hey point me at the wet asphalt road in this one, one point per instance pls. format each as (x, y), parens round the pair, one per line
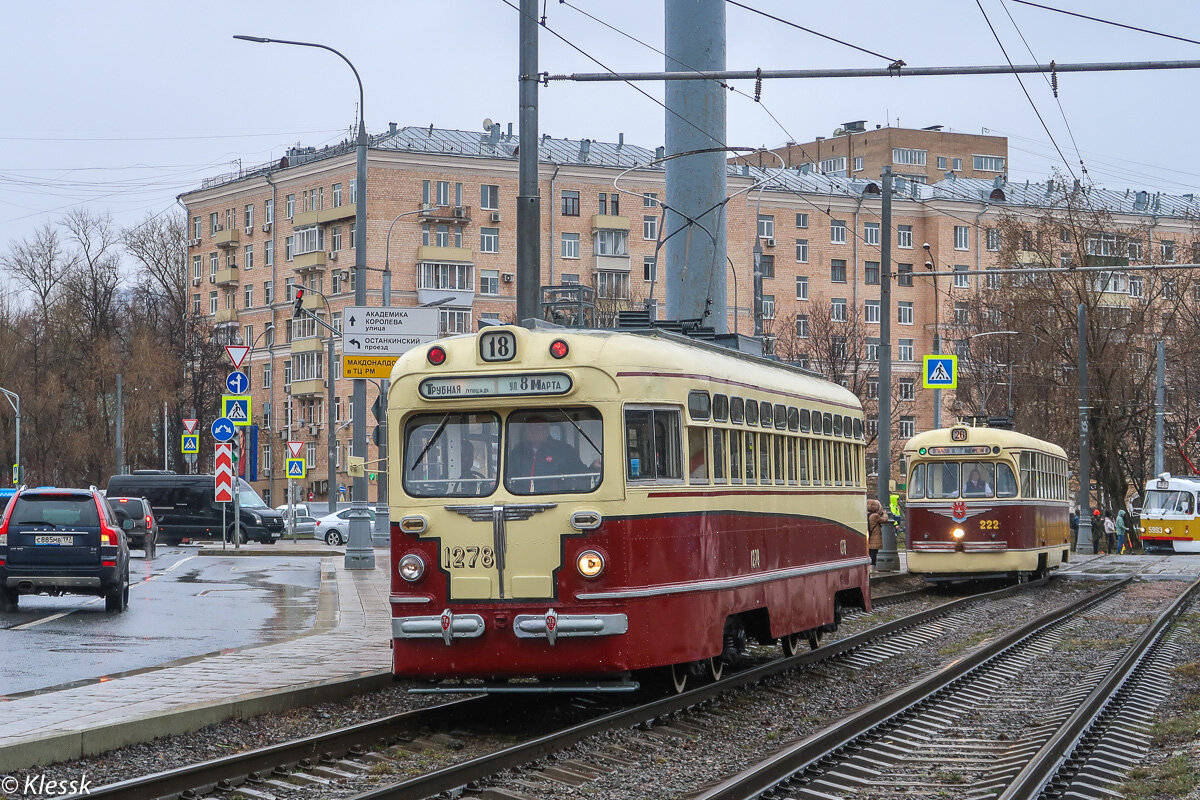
(180, 605)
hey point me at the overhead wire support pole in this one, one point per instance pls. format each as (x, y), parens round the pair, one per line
(529, 201)
(886, 560)
(874, 72)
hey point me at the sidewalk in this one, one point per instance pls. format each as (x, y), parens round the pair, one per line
(347, 652)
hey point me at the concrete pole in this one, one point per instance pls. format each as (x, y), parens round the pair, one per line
(381, 535)
(886, 559)
(529, 201)
(758, 289)
(166, 454)
(1160, 409)
(331, 425)
(120, 428)
(695, 185)
(1084, 540)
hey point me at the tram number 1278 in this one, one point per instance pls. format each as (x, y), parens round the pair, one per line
(468, 557)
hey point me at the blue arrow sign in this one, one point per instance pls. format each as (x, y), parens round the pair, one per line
(237, 382)
(222, 429)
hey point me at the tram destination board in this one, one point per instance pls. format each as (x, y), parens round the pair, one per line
(454, 386)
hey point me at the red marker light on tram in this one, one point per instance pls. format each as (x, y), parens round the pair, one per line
(559, 348)
(436, 355)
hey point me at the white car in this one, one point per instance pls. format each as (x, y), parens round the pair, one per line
(335, 528)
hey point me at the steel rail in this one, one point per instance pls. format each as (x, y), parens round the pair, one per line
(1030, 781)
(783, 765)
(452, 778)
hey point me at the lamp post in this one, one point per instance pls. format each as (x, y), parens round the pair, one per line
(359, 552)
(14, 400)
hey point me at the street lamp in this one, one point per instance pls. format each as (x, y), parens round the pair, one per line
(359, 552)
(14, 400)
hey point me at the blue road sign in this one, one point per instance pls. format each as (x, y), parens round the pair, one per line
(222, 429)
(296, 468)
(237, 382)
(941, 372)
(236, 408)
(190, 443)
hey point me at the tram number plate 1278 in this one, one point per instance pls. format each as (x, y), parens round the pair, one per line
(468, 557)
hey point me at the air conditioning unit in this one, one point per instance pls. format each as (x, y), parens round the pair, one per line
(460, 212)
(509, 277)
(769, 242)
(195, 281)
(332, 255)
(249, 229)
(266, 227)
(266, 472)
(496, 216)
(427, 207)
(313, 430)
(193, 243)
(283, 434)
(219, 228)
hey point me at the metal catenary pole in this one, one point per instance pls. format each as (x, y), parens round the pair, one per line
(330, 425)
(120, 429)
(1160, 409)
(1084, 540)
(529, 202)
(886, 559)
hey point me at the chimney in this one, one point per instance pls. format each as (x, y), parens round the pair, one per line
(660, 151)
(510, 130)
(392, 128)
(620, 140)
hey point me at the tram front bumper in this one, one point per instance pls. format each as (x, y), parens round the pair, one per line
(449, 626)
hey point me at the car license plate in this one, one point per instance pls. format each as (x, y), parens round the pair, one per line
(55, 540)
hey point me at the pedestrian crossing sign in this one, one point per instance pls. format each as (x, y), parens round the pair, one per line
(189, 443)
(941, 372)
(296, 468)
(236, 408)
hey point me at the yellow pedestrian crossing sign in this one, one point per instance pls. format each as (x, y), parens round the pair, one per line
(236, 408)
(941, 372)
(296, 468)
(189, 443)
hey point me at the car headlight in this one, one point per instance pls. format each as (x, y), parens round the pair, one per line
(411, 567)
(590, 564)
(257, 519)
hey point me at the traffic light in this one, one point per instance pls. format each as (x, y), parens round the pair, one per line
(297, 306)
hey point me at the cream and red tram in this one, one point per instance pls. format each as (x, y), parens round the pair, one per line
(985, 502)
(571, 504)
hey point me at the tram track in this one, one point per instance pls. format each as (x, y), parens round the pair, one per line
(347, 753)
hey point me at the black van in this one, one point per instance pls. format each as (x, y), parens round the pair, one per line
(186, 509)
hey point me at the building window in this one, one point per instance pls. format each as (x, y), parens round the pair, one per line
(858, 163)
(837, 231)
(570, 279)
(768, 306)
(908, 427)
(650, 199)
(455, 277)
(956, 164)
(988, 163)
(837, 309)
(1136, 286)
(802, 251)
(904, 237)
(871, 273)
(489, 240)
(961, 279)
(248, 293)
(268, 211)
(766, 226)
(650, 228)
(489, 196)
(1168, 252)
(905, 351)
(489, 281)
(612, 285)
(904, 274)
(307, 240)
(248, 338)
(269, 253)
(197, 266)
(802, 326)
(908, 389)
(248, 215)
(248, 257)
(266, 384)
(289, 206)
(287, 248)
(268, 292)
(570, 245)
(1133, 250)
(453, 320)
(570, 203)
(649, 268)
(831, 166)
(871, 232)
(608, 242)
(871, 311)
(802, 220)
(961, 313)
(214, 262)
(993, 278)
(336, 282)
(443, 193)
(214, 223)
(212, 302)
(310, 457)
(837, 270)
(872, 353)
(873, 385)
(801, 287)
(992, 238)
(766, 265)
(904, 313)
(941, 162)
(197, 228)
(962, 237)
(609, 205)
(908, 156)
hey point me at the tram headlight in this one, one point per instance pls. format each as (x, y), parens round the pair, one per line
(411, 567)
(1168, 531)
(590, 564)
(958, 533)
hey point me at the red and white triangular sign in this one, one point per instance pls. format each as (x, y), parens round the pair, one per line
(189, 425)
(294, 448)
(237, 354)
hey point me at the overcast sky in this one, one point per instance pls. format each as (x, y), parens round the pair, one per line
(122, 105)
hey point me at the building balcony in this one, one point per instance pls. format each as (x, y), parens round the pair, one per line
(311, 344)
(453, 215)
(226, 238)
(226, 276)
(462, 298)
(312, 301)
(434, 253)
(311, 388)
(304, 218)
(309, 261)
(324, 215)
(612, 263)
(610, 222)
(225, 316)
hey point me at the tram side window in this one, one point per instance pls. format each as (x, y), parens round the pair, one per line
(828, 420)
(943, 480)
(1006, 482)
(849, 461)
(978, 479)
(735, 456)
(699, 405)
(779, 470)
(737, 410)
(816, 462)
(792, 442)
(451, 455)
(751, 447)
(764, 458)
(802, 448)
(720, 407)
(652, 446)
(751, 412)
(1185, 504)
(718, 455)
(553, 450)
(916, 484)
(805, 420)
(828, 458)
(697, 455)
(1028, 475)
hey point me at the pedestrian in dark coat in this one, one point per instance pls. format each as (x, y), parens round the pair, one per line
(875, 519)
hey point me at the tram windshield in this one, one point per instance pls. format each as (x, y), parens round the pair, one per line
(1168, 502)
(451, 455)
(949, 480)
(553, 450)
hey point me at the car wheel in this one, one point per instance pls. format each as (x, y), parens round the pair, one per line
(117, 600)
(237, 536)
(9, 599)
(333, 538)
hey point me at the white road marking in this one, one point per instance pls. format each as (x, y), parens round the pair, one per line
(70, 611)
(178, 564)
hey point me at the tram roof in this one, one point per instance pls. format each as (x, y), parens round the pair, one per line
(979, 435)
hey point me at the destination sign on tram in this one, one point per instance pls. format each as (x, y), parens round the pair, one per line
(495, 385)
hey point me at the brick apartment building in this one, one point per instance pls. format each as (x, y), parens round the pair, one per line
(256, 235)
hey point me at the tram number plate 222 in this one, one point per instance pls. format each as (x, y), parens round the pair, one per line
(468, 557)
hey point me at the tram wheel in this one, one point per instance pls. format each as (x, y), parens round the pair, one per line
(814, 640)
(675, 678)
(790, 644)
(715, 668)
